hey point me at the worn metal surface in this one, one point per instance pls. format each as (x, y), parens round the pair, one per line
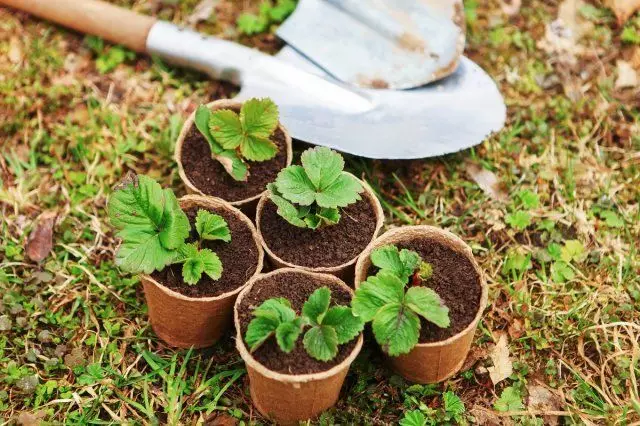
(395, 44)
(452, 114)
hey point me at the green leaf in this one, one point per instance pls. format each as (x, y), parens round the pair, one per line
(347, 325)
(413, 418)
(322, 165)
(453, 405)
(555, 251)
(573, 250)
(561, 272)
(376, 292)
(316, 305)
(330, 216)
(198, 261)
(259, 330)
(321, 342)
(519, 220)
(342, 192)
(256, 148)
(529, 199)
(396, 329)
(202, 117)
(294, 185)
(401, 263)
(516, 262)
(286, 210)
(313, 221)
(287, 333)
(211, 226)
(259, 117)
(151, 222)
(510, 400)
(611, 219)
(425, 271)
(233, 165)
(282, 10)
(249, 23)
(277, 308)
(141, 251)
(174, 225)
(212, 263)
(226, 128)
(426, 303)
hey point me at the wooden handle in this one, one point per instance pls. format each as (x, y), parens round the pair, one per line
(110, 22)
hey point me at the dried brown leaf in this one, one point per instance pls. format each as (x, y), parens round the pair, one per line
(502, 365)
(40, 241)
(487, 181)
(542, 399)
(15, 51)
(627, 76)
(511, 7)
(202, 11)
(623, 9)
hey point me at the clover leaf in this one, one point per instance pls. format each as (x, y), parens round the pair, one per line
(394, 312)
(309, 196)
(150, 222)
(329, 327)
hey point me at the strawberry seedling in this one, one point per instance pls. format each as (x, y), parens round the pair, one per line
(154, 229)
(328, 327)
(309, 196)
(393, 309)
(236, 138)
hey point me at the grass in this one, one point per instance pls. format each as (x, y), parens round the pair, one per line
(560, 252)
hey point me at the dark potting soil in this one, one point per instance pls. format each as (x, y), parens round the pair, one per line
(456, 282)
(239, 259)
(297, 288)
(327, 246)
(210, 177)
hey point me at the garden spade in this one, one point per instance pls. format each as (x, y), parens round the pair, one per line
(318, 97)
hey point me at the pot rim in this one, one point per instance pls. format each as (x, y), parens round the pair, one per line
(379, 216)
(455, 243)
(281, 377)
(177, 152)
(213, 202)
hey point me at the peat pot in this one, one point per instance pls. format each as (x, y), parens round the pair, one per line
(454, 265)
(200, 319)
(283, 397)
(331, 249)
(203, 175)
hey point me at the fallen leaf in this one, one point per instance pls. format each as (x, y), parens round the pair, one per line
(15, 50)
(623, 9)
(635, 58)
(30, 419)
(516, 329)
(40, 241)
(487, 181)
(562, 35)
(475, 354)
(202, 11)
(502, 365)
(627, 76)
(542, 399)
(511, 7)
(221, 419)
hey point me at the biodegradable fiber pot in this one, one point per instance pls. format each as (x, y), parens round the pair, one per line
(290, 398)
(343, 270)
(434, 361)
(191, 321)
(260, 173)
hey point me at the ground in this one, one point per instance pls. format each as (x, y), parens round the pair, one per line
(550, 206)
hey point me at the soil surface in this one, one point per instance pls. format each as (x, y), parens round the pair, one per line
(210, 177)
(456, 282)
(239, 260)
(296, 288)
(327, 246)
